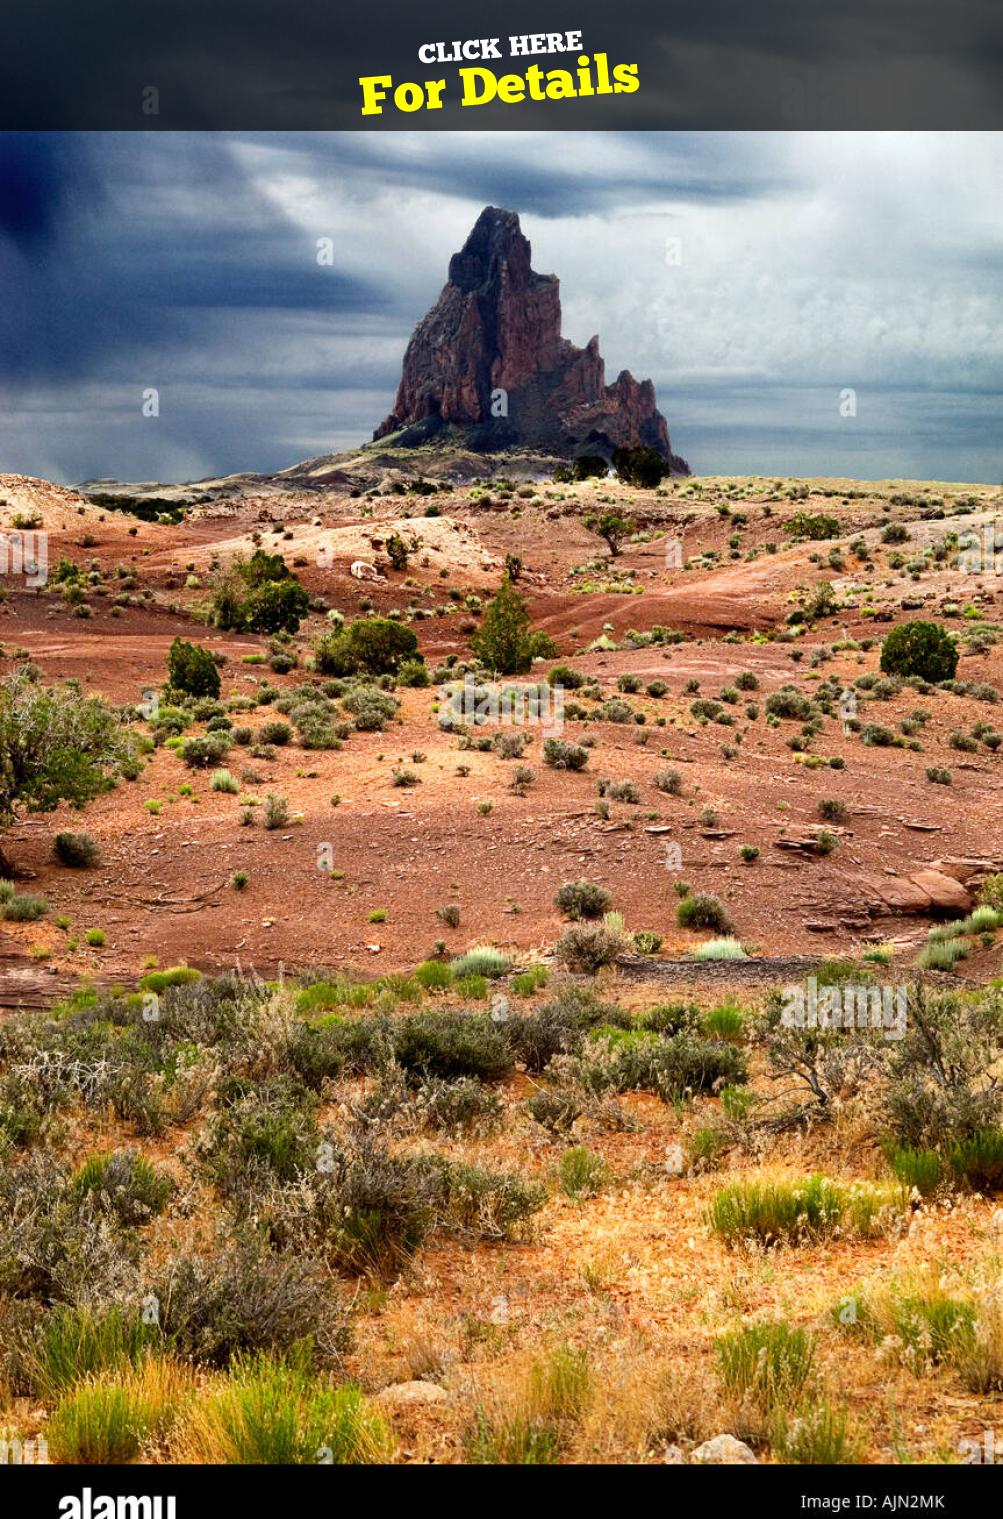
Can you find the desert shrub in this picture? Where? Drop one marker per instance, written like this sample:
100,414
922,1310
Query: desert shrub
368,1211
201,753
587,947
564,756
703,910
274,732
920,648
23,907
941,1091
275,811
673,1067
133,1189
832,809
489,1204
78,850
558,1027
248,1298
991,892
371,707
556,1108
788,701
223,780
582,899
669,781
816,1434
813,526
58,1248
367,646
451,1044
459,1104
671,1018
190,668
264,1132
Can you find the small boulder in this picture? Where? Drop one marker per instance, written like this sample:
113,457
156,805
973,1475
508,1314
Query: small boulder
724,1450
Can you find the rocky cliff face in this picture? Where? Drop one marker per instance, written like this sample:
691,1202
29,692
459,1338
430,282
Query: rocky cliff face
489,359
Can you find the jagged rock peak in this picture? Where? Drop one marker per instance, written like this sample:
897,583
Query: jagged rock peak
488,361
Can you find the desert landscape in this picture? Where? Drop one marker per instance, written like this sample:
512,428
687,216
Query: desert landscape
501,942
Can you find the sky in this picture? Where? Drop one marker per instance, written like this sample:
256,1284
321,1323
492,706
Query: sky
805,303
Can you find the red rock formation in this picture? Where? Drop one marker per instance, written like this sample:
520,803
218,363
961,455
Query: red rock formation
489,359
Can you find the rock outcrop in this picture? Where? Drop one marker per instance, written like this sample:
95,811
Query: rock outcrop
489,360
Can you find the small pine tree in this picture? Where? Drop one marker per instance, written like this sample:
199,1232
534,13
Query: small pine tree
190,668
504,642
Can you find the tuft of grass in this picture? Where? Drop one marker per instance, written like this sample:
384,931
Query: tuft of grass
818,1434
483,960
724,1022
95,937
978,1160
272,1412
582,1172
767,1364
433,975
720,949
792,1212
921,1170
108,1418
224,780
942,954
79,1342
535,1425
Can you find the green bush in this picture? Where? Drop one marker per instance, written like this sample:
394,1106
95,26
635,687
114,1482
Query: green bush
703,910
78,850
582,899
190,668
367,646
920,648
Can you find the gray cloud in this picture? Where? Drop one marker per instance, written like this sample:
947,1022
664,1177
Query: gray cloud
802,264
